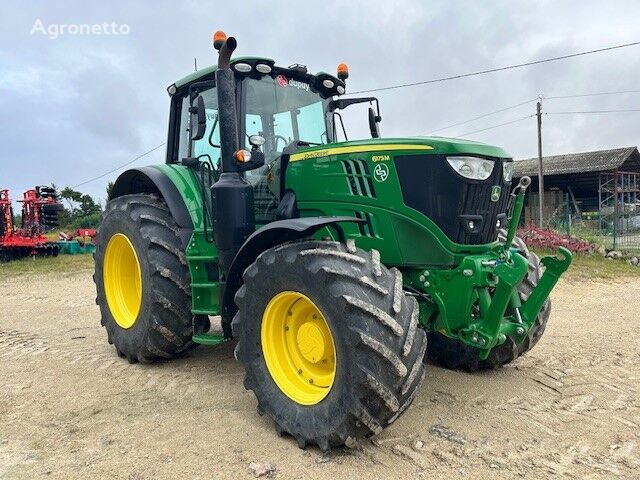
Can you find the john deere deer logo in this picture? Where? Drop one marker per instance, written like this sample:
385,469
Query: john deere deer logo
495,193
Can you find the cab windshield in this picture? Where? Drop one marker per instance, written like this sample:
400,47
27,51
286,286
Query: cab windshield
281,110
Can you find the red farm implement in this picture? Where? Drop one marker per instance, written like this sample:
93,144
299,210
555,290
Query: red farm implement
40,209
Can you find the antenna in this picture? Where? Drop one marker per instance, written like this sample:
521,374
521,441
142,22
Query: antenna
195,64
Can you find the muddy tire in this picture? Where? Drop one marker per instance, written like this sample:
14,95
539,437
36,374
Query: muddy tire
163,327
453,354
379,348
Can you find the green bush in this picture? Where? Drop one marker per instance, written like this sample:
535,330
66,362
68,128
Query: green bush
88,221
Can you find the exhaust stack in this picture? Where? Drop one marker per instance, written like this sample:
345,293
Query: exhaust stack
227,116
232,197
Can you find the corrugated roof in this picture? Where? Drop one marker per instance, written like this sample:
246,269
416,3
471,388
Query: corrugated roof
601,160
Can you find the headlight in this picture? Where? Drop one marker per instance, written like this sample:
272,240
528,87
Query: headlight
507,171
472,167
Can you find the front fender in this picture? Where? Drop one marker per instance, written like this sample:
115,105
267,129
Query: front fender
268,236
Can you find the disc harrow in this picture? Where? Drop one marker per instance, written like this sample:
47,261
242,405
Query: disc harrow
40,210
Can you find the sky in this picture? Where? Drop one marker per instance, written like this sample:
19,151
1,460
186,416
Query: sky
73,107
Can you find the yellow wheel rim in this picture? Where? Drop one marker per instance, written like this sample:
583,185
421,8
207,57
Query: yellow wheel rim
122,280
298,348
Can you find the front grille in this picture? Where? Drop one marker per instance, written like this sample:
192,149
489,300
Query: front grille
358,178
430,186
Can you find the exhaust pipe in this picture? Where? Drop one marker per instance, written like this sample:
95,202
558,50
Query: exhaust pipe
227,113
232,197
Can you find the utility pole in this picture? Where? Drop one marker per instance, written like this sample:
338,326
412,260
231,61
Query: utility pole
540,169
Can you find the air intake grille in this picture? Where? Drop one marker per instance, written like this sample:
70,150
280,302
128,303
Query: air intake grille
368,228
430,186
358,178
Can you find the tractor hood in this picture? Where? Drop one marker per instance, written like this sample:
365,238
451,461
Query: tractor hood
435,145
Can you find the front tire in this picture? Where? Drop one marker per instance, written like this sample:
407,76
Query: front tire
142,280
373,339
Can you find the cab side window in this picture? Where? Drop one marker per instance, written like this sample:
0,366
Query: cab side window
311,125
208,147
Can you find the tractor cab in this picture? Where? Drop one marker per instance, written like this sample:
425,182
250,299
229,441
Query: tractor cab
278,109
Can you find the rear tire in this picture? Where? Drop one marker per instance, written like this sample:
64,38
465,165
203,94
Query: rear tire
452,353
379,349
164,325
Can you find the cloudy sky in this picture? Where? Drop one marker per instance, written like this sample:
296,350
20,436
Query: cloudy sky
74,107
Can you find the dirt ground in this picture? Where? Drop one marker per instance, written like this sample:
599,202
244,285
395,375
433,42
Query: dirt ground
70,408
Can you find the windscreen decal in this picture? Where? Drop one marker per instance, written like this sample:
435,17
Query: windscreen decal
282,81
290,82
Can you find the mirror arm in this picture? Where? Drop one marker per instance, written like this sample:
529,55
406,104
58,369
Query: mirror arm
343,103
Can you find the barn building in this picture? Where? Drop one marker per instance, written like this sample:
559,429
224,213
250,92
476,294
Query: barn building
588,185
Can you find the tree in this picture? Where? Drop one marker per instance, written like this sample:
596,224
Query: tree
82,210
109,188
88,206
72,197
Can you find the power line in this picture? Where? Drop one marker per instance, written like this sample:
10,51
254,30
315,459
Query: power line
496,126
590,94
485,115
498,69
595,94
546,113
594,111
121,166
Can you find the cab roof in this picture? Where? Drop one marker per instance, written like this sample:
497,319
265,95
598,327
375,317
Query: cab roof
294,72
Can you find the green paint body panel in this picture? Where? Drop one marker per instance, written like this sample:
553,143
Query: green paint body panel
455,279
396,228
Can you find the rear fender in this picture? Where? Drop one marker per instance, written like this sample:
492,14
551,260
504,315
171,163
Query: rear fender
151,180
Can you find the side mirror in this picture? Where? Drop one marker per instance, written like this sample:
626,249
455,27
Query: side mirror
374,121
198,119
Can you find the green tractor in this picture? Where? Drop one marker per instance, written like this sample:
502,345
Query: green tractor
336,265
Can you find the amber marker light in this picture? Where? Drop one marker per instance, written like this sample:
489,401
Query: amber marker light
242,156
343,71
218,39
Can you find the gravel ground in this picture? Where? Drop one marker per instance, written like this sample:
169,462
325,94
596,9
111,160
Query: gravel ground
70,408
